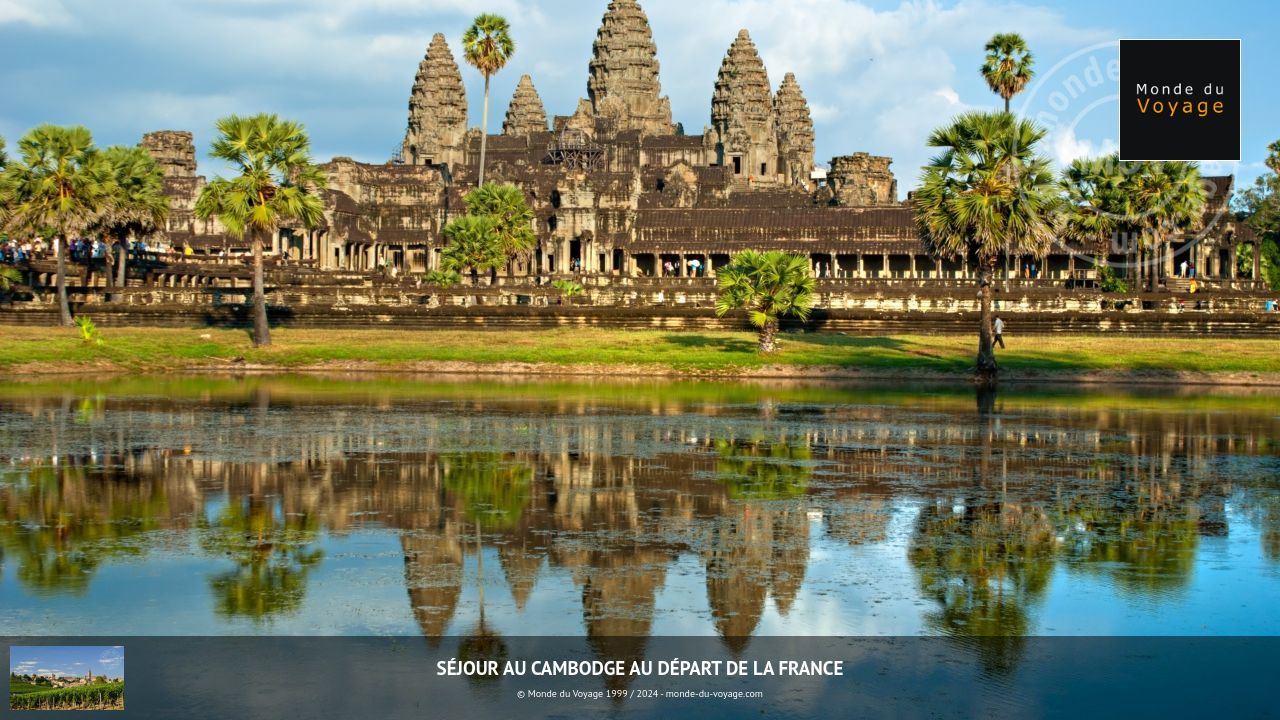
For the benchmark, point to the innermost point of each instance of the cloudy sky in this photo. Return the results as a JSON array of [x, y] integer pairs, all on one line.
[[878, 74], [67, 660]]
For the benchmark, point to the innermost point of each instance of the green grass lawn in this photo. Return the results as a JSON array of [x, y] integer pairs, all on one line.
[[155, 349]]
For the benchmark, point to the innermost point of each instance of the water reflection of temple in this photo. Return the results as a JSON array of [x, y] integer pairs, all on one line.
[[613, 495]]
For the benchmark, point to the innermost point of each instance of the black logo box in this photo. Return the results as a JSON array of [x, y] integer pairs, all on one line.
[[1194, 65]]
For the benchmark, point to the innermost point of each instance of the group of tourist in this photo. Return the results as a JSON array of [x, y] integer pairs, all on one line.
[[1187, 269], [694, 268], [13, 252]]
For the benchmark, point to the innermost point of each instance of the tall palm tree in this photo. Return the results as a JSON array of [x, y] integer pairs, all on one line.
[[1169, 196], [513, 220], [60, 184], [769, 286], [277, 183], [1008, 66], [987, 193], [473, 244], [487, 46], [138, 204]]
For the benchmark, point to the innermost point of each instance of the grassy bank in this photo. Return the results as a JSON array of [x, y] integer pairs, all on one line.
[[40, 350]]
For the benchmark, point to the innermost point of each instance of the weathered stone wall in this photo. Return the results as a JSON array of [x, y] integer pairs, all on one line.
[[863, 180], [173, 150]]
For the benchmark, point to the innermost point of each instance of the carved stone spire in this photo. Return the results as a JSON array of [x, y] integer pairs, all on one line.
[[743, 125], [795, 132], [623, 83], [437, 110], [525, 114]]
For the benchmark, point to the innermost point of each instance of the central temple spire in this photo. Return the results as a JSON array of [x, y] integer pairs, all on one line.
[[623, 83], [743, 121], [437, 110]]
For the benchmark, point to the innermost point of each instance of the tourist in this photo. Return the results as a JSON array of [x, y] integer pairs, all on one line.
[[999, 328], [1183, 269]]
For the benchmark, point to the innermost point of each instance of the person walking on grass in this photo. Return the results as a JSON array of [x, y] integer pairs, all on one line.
[[998, 326]]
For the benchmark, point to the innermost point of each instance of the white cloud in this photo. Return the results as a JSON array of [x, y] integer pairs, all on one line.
[[1067, 147], [37, 13]]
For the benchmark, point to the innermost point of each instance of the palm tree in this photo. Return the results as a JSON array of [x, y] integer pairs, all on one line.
[[986, 194], [1096, 208], [60, 185], [513, 220], [277, 183], [487, 46], [473, 244], [4, 159], [770, 286], [1168, 196], [1008, 67], [138, 204]]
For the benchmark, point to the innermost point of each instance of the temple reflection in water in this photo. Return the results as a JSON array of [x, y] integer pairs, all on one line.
[[793, 510]]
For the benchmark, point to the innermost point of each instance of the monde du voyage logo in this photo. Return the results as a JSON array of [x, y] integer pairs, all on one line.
[[1180, 100]]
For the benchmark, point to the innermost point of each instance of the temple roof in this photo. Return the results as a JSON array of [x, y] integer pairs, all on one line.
[[526, 113], [795, 124], [623, 82], [439, 99], [743, 100], [815, 229]]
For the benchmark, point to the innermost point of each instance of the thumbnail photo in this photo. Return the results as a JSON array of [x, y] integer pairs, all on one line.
[[66, 677]]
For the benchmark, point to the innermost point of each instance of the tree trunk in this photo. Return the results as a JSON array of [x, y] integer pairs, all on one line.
[[484, 130], [261, 327], [769, 336], [1168, 258], [109, 265], [64, 308], [1139, 269], [986, 369], [122, 277]]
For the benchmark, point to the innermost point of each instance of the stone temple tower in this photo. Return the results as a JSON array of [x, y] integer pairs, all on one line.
[[526, 113], [623, 83], [795, 133], [437, 110], [744, 133]]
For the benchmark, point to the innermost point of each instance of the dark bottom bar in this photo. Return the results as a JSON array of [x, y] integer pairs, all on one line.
[[343, 678]]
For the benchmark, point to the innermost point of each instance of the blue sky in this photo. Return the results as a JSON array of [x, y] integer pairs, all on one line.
[[879, 75], [67, 660]]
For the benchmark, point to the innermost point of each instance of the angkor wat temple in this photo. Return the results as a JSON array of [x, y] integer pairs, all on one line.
[[616, 186], [627, 204]]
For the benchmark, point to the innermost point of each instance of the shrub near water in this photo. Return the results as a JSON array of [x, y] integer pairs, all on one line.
[[92, 697]]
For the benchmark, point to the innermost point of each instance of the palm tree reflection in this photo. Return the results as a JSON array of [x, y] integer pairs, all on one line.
[[272, 552]]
